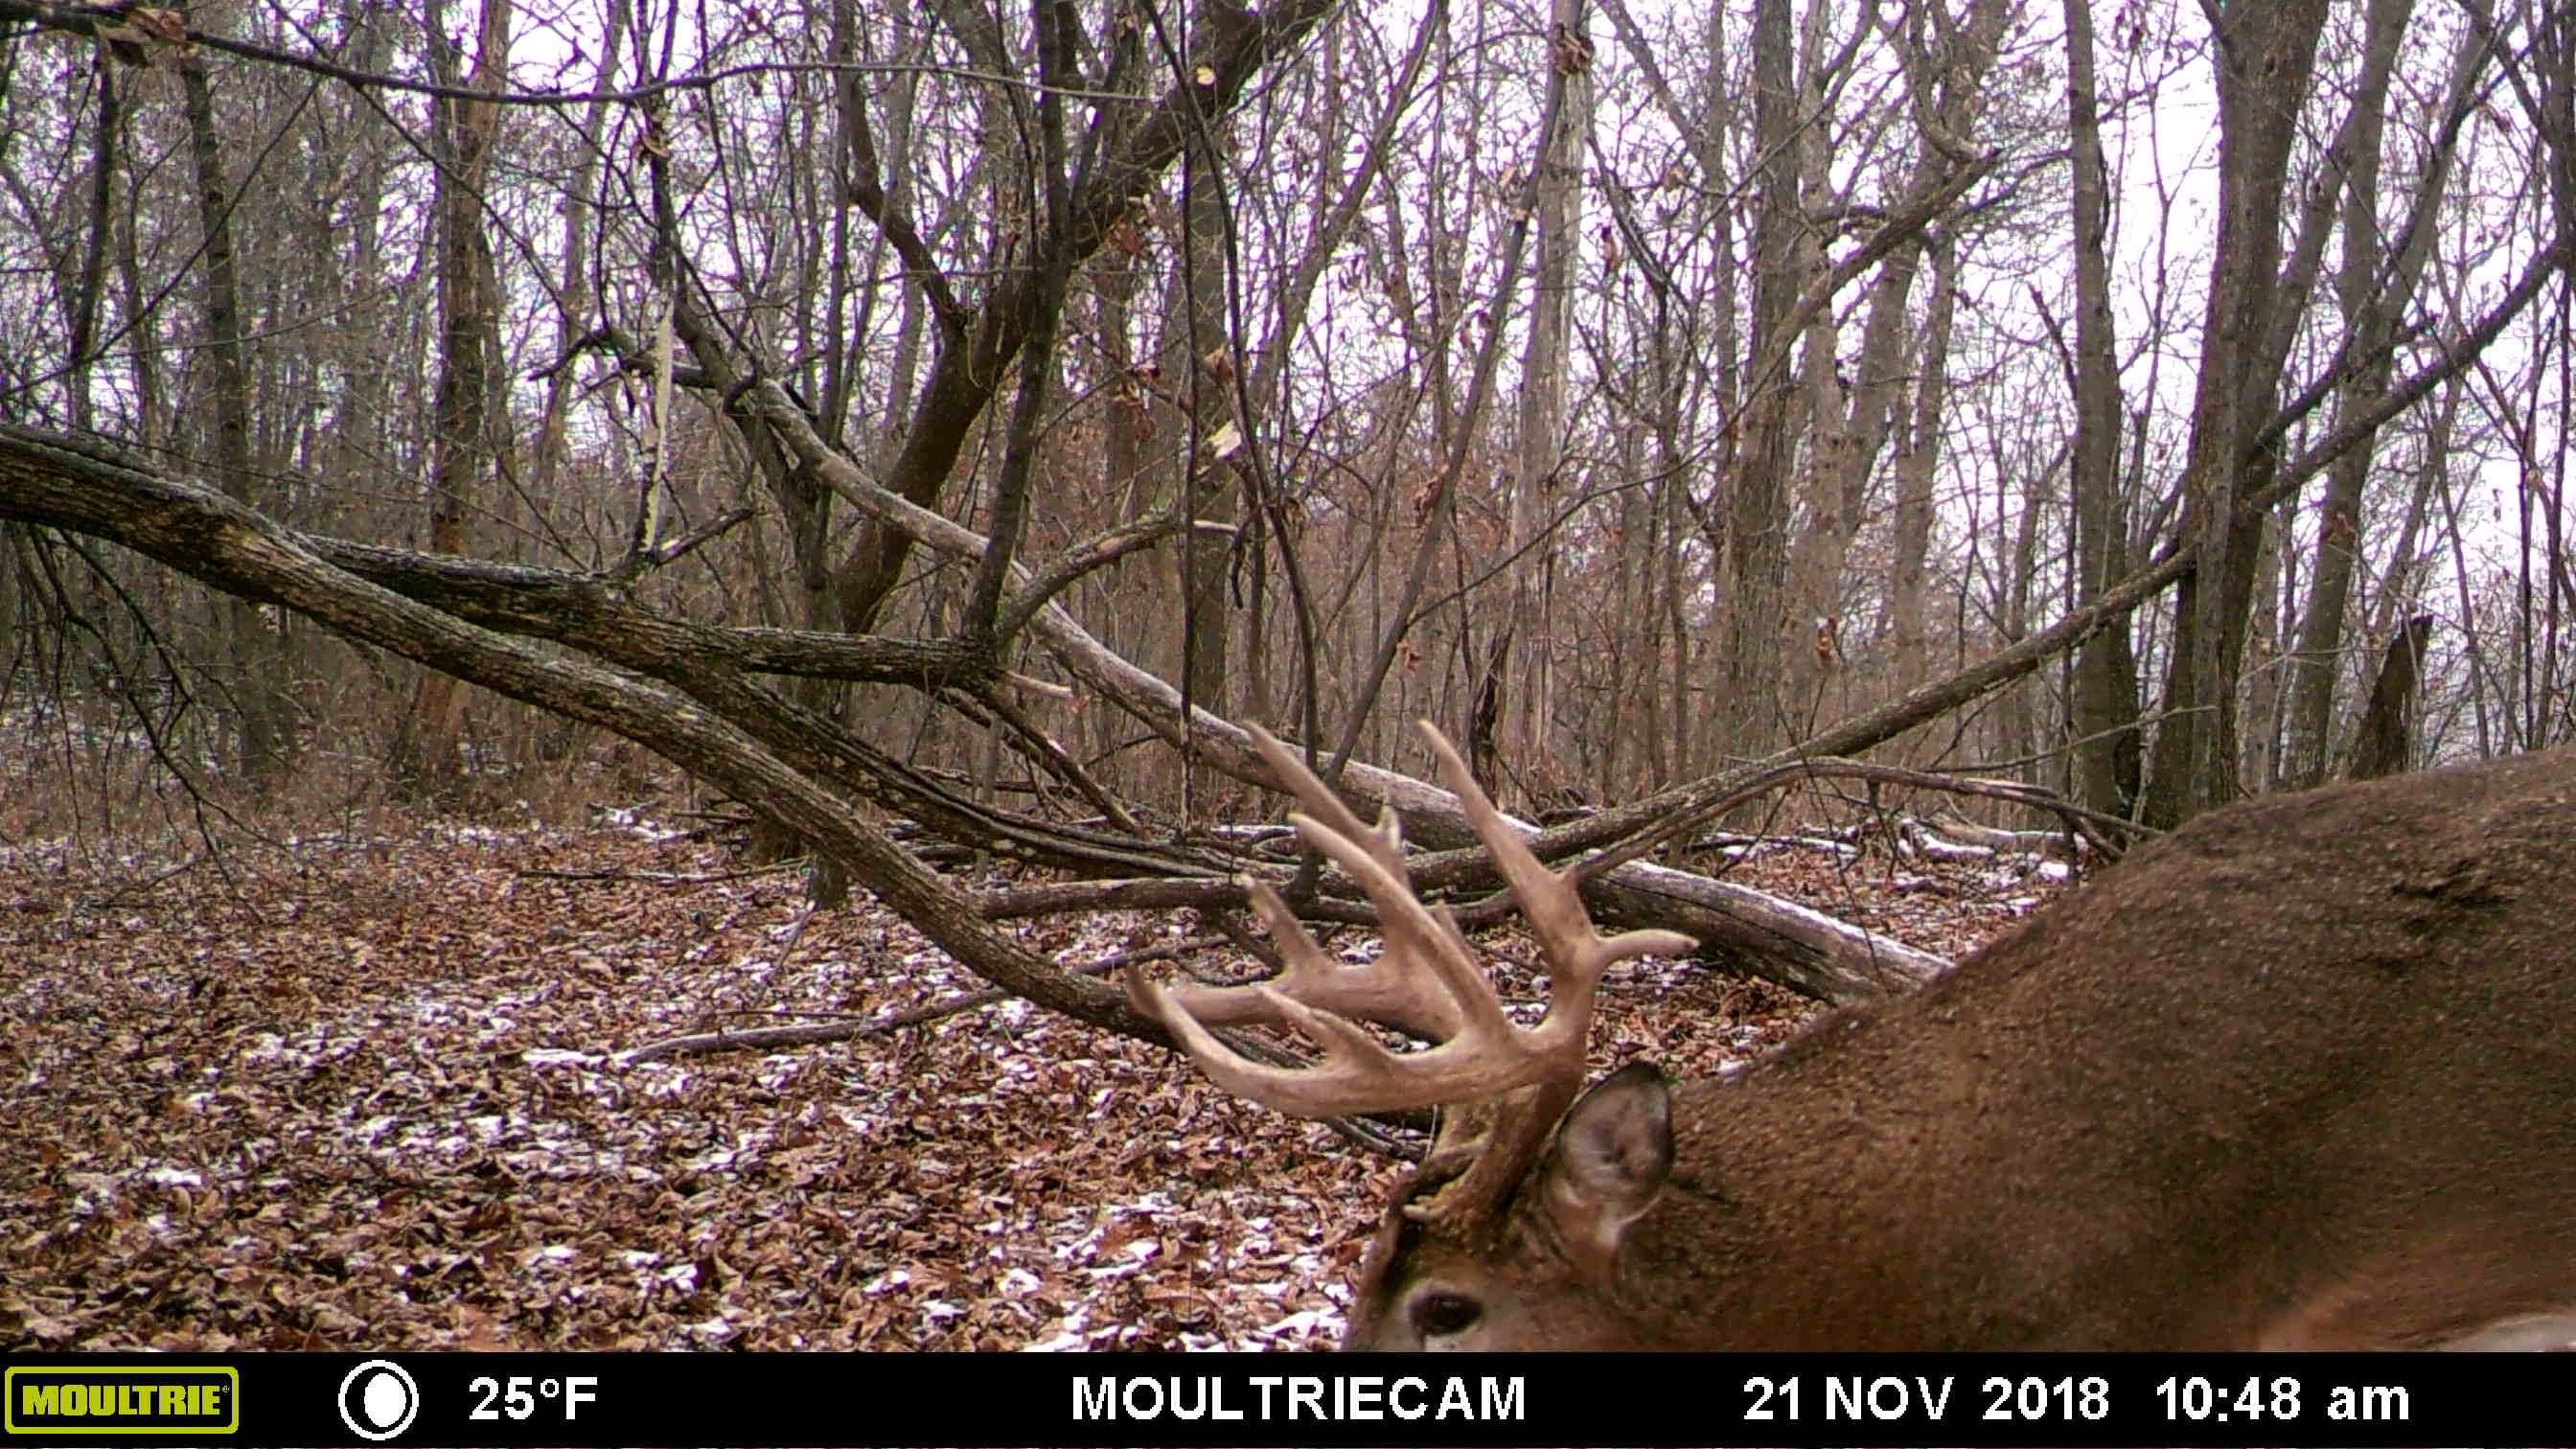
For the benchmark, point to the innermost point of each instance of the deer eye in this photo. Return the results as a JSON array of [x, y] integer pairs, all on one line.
[[1445, 1315]]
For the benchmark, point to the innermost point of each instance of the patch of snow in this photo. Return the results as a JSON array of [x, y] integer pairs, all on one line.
[[1070, 1340], [560, 1057], [719, 1159], [1305, 1323], [1138, 1254]]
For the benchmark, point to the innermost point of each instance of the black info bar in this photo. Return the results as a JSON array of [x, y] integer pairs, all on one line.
[[1202, 1399]]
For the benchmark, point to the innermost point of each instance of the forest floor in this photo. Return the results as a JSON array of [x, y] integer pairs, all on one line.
[[360, 1092]]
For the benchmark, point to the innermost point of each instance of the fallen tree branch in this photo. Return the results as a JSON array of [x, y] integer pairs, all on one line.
[[59, 482]]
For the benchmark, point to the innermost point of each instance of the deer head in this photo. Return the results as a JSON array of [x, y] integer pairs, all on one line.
[[2294, 1077]]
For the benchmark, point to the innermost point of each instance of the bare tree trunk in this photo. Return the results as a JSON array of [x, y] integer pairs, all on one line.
[[2017, 712], [2408, 555], [461, 135], [1538, 454], [2105, 703], [1128, 429], [553, 439], [363, 420], [265, 728], [1917, 452], [1206, 485], [1841, 439], [88, 287], [1757, 512], [2387, 743], [2265, 56], [143, 315], [2261, 736], [1677, 578], [2369, 317]]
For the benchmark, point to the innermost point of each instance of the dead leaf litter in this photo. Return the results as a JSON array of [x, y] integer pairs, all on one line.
[[372, 1099]]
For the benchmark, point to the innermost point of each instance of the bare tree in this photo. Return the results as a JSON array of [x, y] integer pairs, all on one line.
[[2105, 696], [256, 687], [462, 133]]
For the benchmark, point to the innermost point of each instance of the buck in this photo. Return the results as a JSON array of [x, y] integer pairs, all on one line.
[[2298, 1076]]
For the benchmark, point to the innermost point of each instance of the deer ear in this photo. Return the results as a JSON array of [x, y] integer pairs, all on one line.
[[1612, 1155]]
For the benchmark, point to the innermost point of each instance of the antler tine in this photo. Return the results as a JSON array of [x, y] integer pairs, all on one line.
[[1477, 1053], [1383, 991], [1371, 991], [1323, 1001], [1384, 842], [1577, 953]]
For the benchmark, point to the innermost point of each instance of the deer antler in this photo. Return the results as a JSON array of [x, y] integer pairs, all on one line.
[[1427, 982]]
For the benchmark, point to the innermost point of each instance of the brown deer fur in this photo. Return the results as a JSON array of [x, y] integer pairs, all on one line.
[[2301, 1075]]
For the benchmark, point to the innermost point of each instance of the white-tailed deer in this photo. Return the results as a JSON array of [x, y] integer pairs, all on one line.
[[2300, 1075]]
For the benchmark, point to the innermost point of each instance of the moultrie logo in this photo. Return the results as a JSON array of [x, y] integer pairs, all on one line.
[[127, 1399]]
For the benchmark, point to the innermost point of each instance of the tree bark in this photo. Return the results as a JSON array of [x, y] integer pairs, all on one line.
[[1527, 646], [1757, 513], [2265, 53], [2370, 308], [264, 726], [2108, 747], [461, 137], [2386, 745]]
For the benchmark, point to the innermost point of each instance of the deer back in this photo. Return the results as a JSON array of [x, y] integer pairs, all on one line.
[[2296, 1076]]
